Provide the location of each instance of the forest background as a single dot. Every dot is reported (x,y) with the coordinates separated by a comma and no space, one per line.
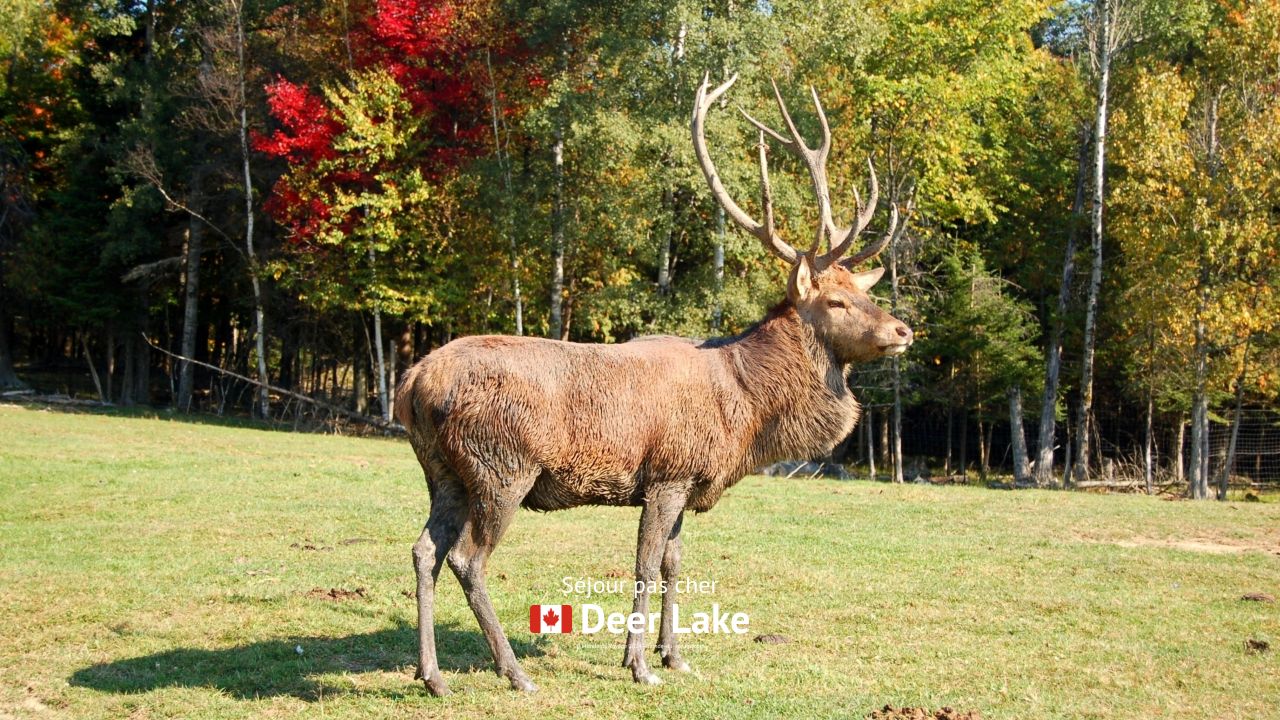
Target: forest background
(314,194)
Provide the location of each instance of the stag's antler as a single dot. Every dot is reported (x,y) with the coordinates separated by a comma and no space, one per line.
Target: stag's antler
(763,232)
(816,162)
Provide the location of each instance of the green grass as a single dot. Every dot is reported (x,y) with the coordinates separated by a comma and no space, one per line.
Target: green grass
(148,568)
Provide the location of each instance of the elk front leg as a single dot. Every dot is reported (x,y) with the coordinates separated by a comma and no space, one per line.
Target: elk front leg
(670,575)
(660,514)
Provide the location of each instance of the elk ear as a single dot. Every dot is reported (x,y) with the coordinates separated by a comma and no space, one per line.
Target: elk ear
(801,284)
(864,281)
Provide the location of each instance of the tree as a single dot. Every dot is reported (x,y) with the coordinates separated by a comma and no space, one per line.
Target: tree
(977,339)
(1198,228)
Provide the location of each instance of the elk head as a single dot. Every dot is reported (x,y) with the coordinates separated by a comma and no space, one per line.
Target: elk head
(825,292)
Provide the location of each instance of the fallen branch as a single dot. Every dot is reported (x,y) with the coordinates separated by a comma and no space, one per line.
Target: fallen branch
(367,419)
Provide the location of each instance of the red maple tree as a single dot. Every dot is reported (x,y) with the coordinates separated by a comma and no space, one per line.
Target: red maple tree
(433,50)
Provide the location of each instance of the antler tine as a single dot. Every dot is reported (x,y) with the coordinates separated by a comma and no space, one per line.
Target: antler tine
(825,147)
(784,141)
(764,233)
(874,249)
(814,160)
(865,213)
(786,118)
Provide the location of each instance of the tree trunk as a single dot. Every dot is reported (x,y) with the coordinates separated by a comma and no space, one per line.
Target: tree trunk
(1198,487)
(871,445)
(556,324)
(886,458)
(8,375)
(111,364)
(717,271)
(1021,473)
(126,382)
(1053,351)
(1148,460)
(504,164)
(946,463)
(93,370)
(1179,461)
(260,340)
(895,300)
(964,445)
(1095,238)
(1228,463)
(984,452)
(664,248)
(191,295)
(897,421)
(138,374)
(359,388)
(384,399)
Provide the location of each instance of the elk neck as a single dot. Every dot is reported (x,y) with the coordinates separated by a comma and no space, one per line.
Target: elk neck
(798,403)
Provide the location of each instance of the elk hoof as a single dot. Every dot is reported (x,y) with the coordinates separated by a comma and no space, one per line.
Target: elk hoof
(676,664)
(648,679)
(436,684)
(523,684)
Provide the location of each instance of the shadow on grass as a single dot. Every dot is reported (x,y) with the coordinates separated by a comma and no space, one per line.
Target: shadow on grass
(274,667)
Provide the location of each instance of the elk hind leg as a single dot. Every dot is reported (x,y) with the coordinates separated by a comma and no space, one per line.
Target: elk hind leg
(438,536)
(487,520)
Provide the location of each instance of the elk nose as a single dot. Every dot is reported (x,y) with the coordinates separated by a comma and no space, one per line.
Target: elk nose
(904,332)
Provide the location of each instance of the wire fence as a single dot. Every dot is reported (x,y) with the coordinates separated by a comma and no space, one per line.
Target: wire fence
(940,442)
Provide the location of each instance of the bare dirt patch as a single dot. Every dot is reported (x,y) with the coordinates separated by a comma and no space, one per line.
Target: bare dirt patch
(1216,546)
(338,594)
(889,712)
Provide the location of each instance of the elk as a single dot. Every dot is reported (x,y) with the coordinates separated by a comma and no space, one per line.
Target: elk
(666,424)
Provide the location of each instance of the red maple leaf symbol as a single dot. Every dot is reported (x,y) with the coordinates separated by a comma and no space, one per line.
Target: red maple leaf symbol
(550,617)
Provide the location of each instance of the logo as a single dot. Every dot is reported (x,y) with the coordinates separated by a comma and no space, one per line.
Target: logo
(547,619)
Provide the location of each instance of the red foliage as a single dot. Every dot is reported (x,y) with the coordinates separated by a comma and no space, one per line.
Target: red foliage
(430,48)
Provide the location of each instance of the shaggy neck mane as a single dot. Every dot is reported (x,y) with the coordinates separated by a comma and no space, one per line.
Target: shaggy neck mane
(799,404)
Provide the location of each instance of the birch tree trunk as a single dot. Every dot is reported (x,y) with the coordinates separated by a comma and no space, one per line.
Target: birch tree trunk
(384,401)
(896,297)
(897,369)
(1228,462)
(717,271)
(1021,473)
(1053,351)
(191,298)
(1179,460)
(869,424)
(259,322)
(504,165)
(1199,476)
(664,247)
(1103,54)
(557,238)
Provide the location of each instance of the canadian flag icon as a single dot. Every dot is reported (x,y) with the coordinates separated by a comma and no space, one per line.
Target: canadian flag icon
(551,619)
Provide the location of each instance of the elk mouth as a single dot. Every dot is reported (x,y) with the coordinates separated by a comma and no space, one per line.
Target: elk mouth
(895,349)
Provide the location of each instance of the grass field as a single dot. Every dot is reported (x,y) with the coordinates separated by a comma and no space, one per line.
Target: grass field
(157,568)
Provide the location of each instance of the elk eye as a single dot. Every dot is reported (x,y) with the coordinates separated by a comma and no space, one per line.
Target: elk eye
(836,304)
